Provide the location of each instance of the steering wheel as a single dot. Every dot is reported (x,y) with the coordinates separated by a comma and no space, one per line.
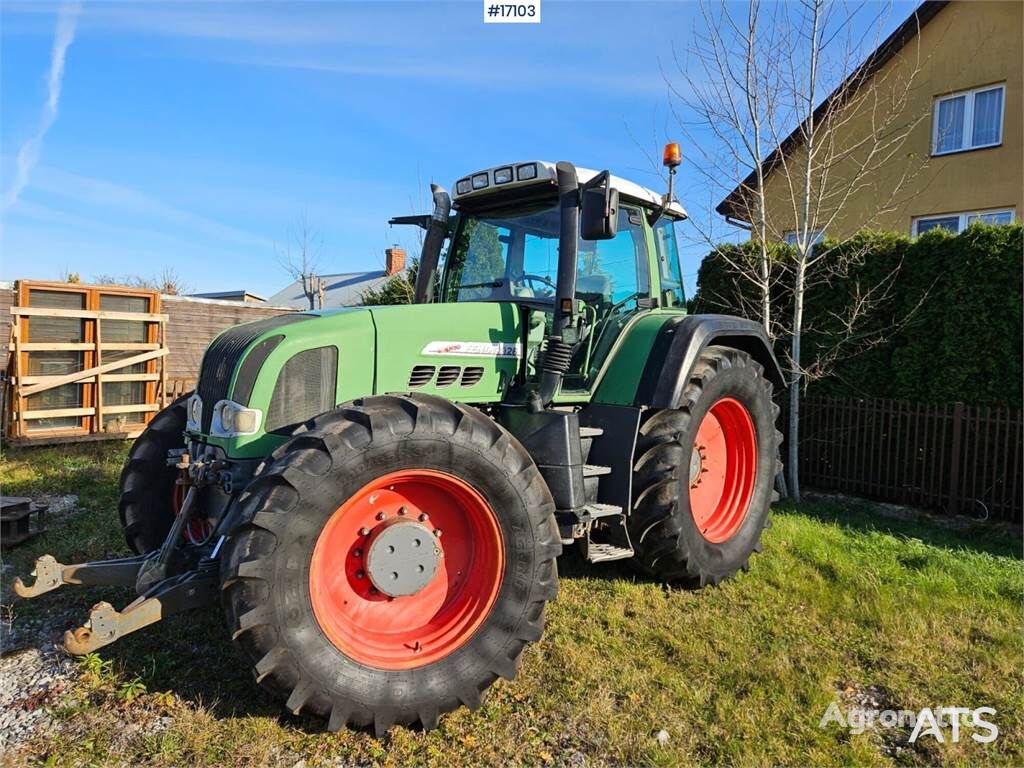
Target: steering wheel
(531,279)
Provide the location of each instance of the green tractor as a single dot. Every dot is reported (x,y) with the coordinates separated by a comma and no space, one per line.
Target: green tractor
(377,496)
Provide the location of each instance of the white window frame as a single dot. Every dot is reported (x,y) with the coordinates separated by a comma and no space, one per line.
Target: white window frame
(968,127)
(790,237)
(961,218)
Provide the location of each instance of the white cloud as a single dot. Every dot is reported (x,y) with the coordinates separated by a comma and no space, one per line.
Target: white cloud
(273,24)
(106,197)
(519,77)
(28,154)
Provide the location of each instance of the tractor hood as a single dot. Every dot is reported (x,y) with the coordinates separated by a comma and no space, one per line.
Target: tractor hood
(290,368)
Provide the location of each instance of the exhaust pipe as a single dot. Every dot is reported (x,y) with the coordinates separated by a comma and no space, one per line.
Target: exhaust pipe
(432,243)
(557,352)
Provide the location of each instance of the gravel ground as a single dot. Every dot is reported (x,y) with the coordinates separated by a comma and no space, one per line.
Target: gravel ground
(34,671)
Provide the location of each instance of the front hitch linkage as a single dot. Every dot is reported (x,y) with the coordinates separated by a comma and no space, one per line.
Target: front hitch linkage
(160,594)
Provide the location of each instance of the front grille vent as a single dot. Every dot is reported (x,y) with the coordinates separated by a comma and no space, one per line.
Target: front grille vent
(448,375)
(305,388)
(421,376)
(223,355)
(471,376)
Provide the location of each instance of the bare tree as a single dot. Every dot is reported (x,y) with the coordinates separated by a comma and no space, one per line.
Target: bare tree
(755,78)
(730,92)
(300,257)
(166,281)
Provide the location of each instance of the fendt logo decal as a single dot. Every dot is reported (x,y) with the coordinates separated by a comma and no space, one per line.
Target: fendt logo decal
(473,349)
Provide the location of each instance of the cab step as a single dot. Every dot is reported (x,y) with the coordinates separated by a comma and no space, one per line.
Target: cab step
(587,437)
(597,510)
(601,553)
(574,525)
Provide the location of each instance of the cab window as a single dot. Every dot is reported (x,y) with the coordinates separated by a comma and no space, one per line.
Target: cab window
(672,294)
(514,255)
(614,272)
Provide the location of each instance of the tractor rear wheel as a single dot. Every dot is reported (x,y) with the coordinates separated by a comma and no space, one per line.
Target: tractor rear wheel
(150,497)
(393,559)
(704,473)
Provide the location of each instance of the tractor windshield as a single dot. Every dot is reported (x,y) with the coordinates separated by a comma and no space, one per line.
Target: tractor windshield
(513,256)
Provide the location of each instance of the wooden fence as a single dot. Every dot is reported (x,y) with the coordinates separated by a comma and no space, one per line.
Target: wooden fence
(957,458)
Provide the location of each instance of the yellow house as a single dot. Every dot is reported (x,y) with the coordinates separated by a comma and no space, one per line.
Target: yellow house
(940,104)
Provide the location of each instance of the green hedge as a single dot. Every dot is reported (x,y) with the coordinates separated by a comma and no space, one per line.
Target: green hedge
(951,313)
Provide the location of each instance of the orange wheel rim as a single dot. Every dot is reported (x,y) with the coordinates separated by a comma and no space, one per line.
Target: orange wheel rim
(723,468)
(409,630)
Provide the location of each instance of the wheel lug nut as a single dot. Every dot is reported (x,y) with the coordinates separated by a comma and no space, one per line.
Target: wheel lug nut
(360,575)
(357,553)
(437,532)
(364,531)
(380,515)
(373,590)
(424,517)
(401,510)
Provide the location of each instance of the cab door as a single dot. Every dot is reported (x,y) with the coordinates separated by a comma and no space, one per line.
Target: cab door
(613,285)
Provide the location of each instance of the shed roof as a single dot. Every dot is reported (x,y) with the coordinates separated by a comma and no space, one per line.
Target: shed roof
(342,290)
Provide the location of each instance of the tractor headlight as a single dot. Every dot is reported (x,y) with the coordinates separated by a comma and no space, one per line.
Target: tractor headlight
(526,172)
(462,187)
(194,413)
(231,419)
(503,175)
(479,180)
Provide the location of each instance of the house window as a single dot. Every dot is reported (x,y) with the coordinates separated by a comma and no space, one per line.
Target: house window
(791,237)
(958,222)
(968,120)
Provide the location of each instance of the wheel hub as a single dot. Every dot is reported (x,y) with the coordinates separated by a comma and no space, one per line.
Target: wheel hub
(696,465)
(402,557)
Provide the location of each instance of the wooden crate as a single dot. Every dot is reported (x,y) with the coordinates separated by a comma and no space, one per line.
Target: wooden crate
(109,337)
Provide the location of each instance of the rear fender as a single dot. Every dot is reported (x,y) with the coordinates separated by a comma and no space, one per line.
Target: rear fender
(678,345)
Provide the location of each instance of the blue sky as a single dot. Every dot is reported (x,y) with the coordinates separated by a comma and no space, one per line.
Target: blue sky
(194,135)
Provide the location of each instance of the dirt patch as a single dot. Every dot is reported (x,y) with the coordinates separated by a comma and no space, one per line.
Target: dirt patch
(34,670)
(891,726)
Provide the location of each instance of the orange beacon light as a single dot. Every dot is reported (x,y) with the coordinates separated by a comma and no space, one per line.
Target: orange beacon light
(672,156)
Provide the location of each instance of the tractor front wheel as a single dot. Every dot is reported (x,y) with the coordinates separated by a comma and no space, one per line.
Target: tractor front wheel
(150,497)
(393,560)
(703,478)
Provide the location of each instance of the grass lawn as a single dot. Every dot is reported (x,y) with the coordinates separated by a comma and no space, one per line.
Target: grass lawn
(840,602)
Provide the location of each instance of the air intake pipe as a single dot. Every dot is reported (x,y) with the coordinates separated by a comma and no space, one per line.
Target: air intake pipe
(431,251)
(557,352)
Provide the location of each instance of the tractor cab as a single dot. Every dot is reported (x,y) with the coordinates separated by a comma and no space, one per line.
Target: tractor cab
(581,253)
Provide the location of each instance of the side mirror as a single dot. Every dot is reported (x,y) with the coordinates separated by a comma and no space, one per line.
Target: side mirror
(599,215)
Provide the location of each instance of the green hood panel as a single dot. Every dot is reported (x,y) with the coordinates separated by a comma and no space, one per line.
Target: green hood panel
(480,340)
(466,352)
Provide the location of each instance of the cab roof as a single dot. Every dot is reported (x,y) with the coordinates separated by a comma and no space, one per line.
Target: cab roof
(532,173)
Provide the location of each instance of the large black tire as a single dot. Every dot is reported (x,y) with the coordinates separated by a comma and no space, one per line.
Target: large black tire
(669,544)
(266,562)
(147,482)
